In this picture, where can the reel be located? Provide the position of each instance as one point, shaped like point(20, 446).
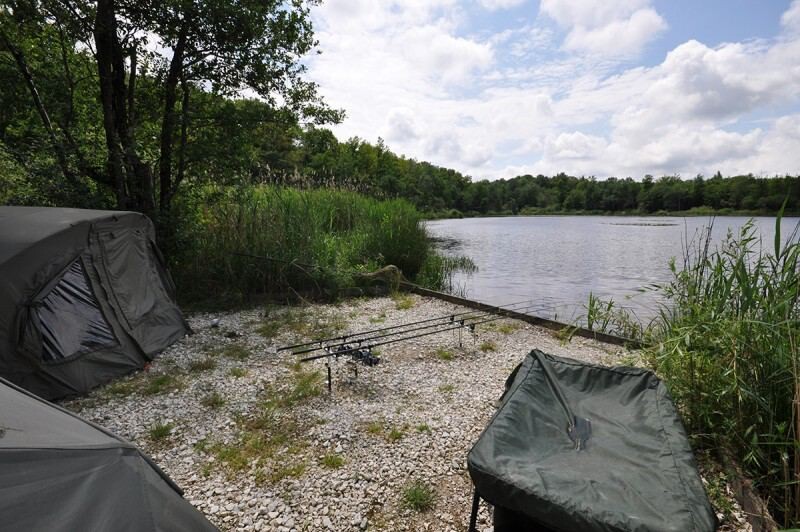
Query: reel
point(364, 356)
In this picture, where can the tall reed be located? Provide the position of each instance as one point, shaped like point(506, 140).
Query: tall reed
point(234, 243)
point(726, 343)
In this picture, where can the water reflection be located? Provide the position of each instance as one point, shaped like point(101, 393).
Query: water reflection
point(559, 260)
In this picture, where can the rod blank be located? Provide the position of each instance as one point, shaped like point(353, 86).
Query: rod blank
point(461, 322)
point(353, 336)
point(373, 345)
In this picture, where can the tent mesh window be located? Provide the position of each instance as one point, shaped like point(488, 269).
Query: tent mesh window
point(70, 320)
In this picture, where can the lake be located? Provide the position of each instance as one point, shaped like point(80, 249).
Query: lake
point(557, 261)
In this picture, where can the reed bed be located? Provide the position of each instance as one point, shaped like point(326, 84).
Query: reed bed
point(266, 240)
point(727, 345)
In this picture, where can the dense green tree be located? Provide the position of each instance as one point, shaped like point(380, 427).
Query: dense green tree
point(145, 62)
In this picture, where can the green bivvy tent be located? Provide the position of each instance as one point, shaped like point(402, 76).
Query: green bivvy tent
point(61, 473)
point(575, 446)
point(84, 297)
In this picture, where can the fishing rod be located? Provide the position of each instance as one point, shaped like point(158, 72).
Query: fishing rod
point(330, 352)
point(362, 333)
point(362, 338)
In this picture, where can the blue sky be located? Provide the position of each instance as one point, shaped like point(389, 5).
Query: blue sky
point(497, 88)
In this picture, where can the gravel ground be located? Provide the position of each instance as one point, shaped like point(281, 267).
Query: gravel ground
point(257, 443)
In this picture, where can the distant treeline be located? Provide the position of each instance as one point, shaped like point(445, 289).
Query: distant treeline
point(320, 158)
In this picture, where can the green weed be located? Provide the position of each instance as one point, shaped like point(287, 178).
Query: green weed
point(444, 354)
point(237, 372)
point(161, 384)
point(418, 496)
point(203, 364)
point(438, 272)
point(287, 471)
point(374, 427)
point(160, 431)
point(123, 388)
point(508, 327)
point(395, 434)
point(234, 351)
point(402, 301)
point(213, 400)
point(488, 346)
point(332, 461)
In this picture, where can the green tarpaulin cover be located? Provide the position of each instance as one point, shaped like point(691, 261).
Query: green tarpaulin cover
point(576, 446)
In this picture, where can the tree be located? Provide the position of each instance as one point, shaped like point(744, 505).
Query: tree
point(179, 47)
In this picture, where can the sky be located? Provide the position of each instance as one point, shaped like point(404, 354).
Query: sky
point(499, 88)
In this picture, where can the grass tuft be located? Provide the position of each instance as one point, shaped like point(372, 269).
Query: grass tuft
point(508, 327)
point(160, 431)
point(332, 461)
point(161, 384)
point(374, 427)
point(488, 346)
point(447, 388)
point(123, 388)
point(235, 351)
point(200, 365)
point(237, 372)
point(287, 471)
point(213, 400)
point(395, 434)
point(305, 385)
point(402, 301)
point(418, 496)
point(444, 354)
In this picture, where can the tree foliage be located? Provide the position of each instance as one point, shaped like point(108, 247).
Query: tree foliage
point(108, 88)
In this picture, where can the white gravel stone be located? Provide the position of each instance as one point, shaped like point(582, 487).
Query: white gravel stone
point(412, 417)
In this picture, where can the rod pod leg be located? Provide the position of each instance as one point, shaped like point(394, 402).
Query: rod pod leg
point(473, 516)
point(328, 365)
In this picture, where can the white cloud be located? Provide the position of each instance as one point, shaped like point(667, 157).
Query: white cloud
point(494, 5)
point(614, 28)
point(509, 103)
point(791, 18)
point(575, 145)
point(400, 125)
point(529, 40)
point(699, 85)
point(622, 38)
point(590, 13)
point(440, 55)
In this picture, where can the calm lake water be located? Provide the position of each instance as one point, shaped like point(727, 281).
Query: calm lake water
point(558, 260)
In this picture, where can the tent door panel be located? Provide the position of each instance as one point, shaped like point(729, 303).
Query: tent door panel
point(135, 284)
point(67, 319)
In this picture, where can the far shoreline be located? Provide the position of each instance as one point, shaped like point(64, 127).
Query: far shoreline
point(625, 214)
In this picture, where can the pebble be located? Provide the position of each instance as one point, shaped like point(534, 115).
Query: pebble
point(412, 417)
